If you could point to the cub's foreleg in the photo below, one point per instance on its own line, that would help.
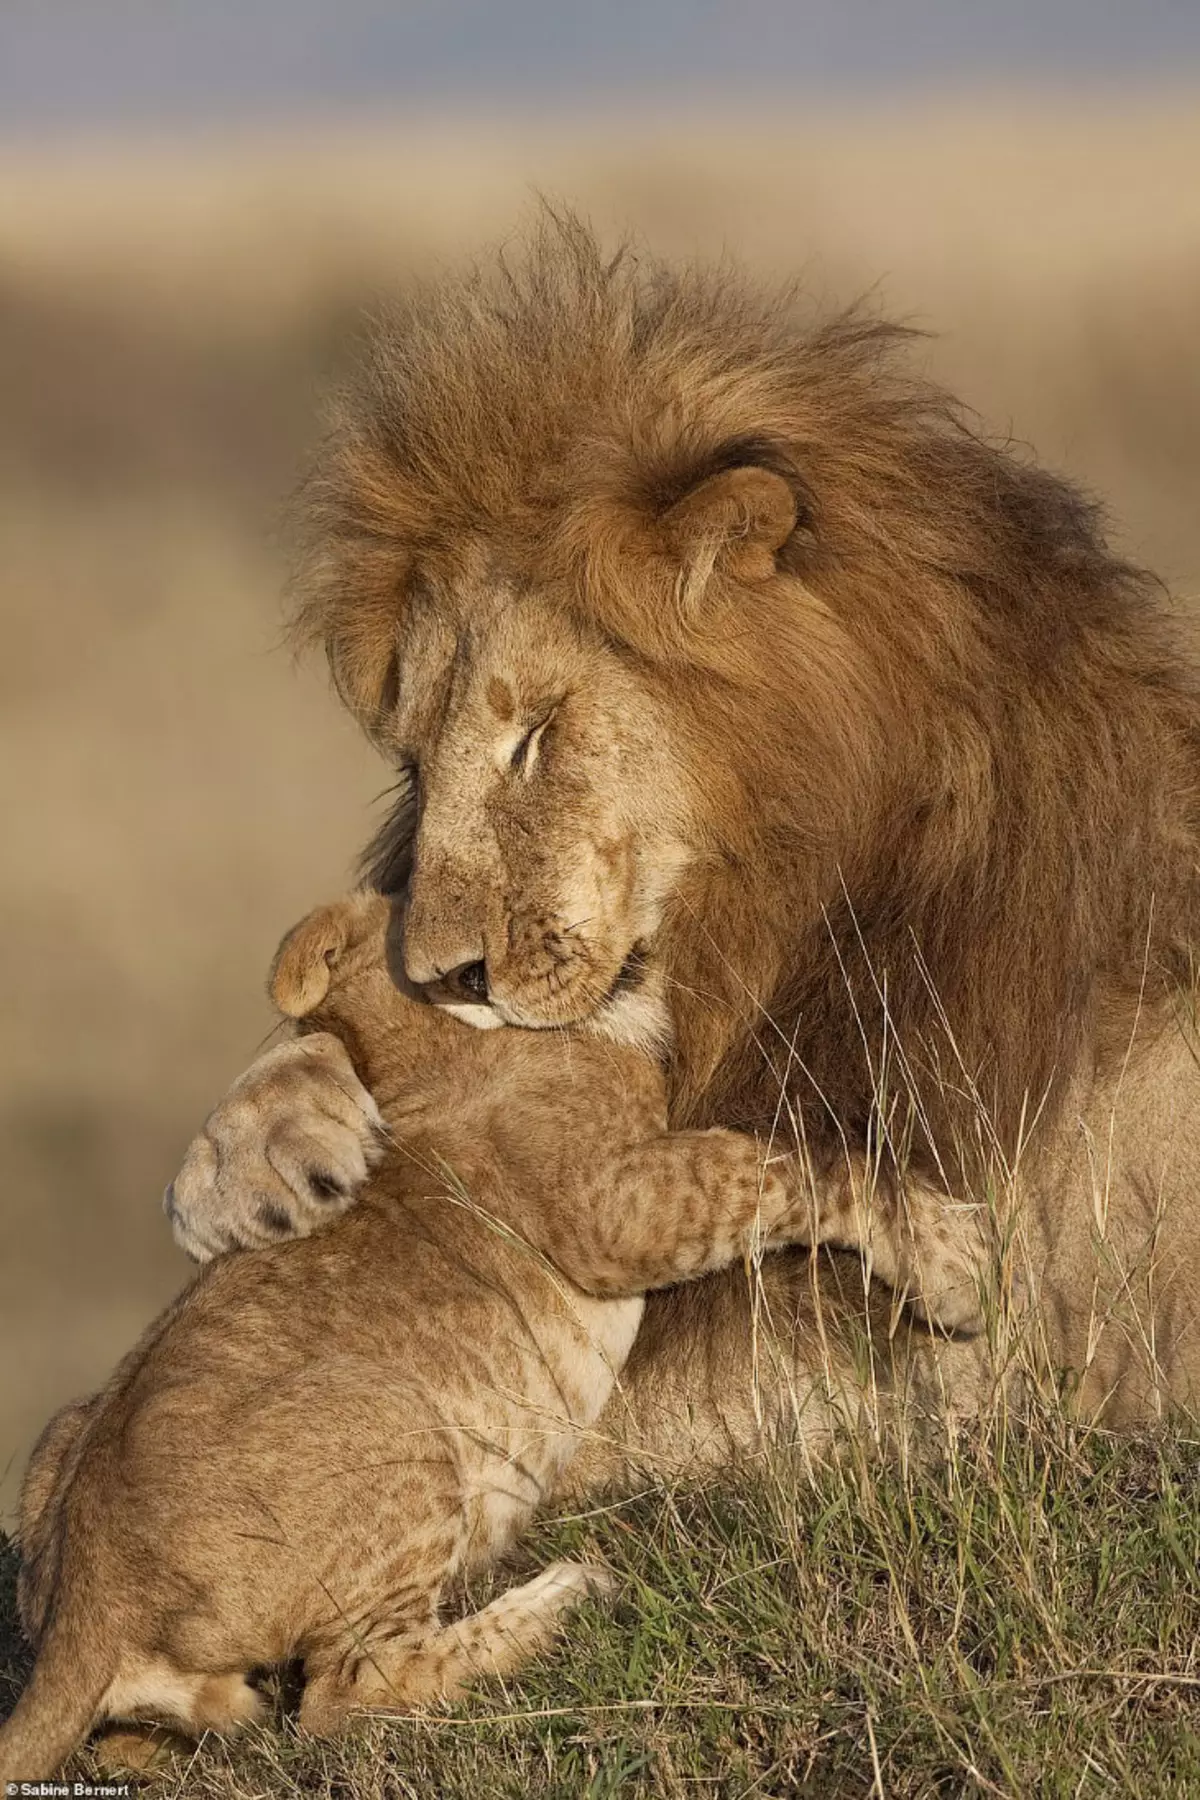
(686, 1203)
(932, 1250)
(666, 1210)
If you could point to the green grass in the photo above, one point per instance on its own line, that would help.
(1020, 1620)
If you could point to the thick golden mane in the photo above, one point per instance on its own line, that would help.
(950, 752)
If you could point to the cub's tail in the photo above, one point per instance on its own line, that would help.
(59, 1706)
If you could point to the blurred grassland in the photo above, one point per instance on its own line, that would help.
(174, 792)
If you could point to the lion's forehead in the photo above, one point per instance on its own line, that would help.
(478, 650)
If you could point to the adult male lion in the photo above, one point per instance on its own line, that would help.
(700, 636)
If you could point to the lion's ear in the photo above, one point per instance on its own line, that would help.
(735, 521)
(300, 974)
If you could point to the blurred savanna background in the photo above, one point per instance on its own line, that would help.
(197, 207)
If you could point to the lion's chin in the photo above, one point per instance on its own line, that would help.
(498, 1011)
(473, 1013)
(557, 1017)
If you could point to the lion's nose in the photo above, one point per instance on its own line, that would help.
(470, 980)
(454, 962)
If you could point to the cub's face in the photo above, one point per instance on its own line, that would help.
(542, 826)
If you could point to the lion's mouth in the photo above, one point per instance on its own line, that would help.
(537, 1006)
(631, 975)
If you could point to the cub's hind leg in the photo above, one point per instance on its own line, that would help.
(409, 1672)
(139, 1749)
(46, 1464)
(37, 1518)
(162, 1711)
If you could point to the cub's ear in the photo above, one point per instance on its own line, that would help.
(734, 521)
(300, 974)
(349, 936)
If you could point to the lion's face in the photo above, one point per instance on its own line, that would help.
(547, 820)
(754, 665)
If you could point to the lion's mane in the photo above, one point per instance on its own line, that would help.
(950, 752)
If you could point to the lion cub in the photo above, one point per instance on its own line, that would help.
(317, 1438)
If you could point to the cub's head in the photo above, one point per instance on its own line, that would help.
(341, 970)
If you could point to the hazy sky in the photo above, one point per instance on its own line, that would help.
(82, 63)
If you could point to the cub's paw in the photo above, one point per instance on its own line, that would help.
(945, 1259)
(284, 1153)
(139, 1749)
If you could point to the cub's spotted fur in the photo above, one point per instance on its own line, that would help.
(319, 1437)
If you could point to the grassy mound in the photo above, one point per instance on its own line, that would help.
(1020, 1619)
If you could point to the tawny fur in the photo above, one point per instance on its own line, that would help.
(948, 710)
(857, 725)
(713, 641)
(317, 1439)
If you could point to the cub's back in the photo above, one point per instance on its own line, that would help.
(415, 1310)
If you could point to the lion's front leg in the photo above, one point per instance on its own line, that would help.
(796, 1351)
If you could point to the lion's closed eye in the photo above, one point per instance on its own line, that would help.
(525, 756)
